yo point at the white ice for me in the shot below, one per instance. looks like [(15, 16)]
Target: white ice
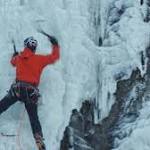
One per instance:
[(85, 71)]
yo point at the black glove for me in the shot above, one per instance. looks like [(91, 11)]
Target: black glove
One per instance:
[(53, 40), (15, 54)]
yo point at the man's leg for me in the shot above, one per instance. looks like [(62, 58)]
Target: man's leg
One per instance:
[(6, 102), (35, 124)]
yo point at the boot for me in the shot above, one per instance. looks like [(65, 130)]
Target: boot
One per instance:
[(39, 142)]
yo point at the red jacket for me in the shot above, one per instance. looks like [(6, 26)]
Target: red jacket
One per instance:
[(29, 65)]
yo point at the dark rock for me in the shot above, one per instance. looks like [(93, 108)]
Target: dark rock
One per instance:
[(100, 43), (83, 134), (141, 2)]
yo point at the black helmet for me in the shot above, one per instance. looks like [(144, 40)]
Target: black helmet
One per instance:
[(30, 43)]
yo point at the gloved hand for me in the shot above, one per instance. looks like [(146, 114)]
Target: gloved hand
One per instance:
[(53, 40), (15, 54)]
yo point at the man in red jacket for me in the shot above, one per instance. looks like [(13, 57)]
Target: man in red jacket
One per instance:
[(29, 67)]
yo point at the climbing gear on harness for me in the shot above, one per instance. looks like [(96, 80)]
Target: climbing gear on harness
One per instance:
[(25, 92)]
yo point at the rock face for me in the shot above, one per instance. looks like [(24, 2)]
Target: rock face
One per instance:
[(83, 134)]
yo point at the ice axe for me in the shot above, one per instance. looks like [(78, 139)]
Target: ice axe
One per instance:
[(14, 47), (43, 32), (52, 39)]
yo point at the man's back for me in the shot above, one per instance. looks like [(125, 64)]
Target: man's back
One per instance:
[(29, 65)]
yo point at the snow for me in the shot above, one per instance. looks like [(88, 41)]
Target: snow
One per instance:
[(85, 70)]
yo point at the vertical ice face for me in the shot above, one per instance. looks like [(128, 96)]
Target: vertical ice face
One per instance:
[(63, 85), (85, 70), (123, 36)]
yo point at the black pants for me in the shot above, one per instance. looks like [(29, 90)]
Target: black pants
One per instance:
[(31, 108)]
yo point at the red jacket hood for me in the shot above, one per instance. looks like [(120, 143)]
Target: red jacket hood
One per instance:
[(26, 53)]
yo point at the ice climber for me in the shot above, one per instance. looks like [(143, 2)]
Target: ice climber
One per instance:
[(29, 67)]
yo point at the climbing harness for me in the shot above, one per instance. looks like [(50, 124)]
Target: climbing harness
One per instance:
[(25, 92)]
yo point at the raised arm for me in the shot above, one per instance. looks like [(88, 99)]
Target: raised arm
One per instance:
[(55, 55)]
